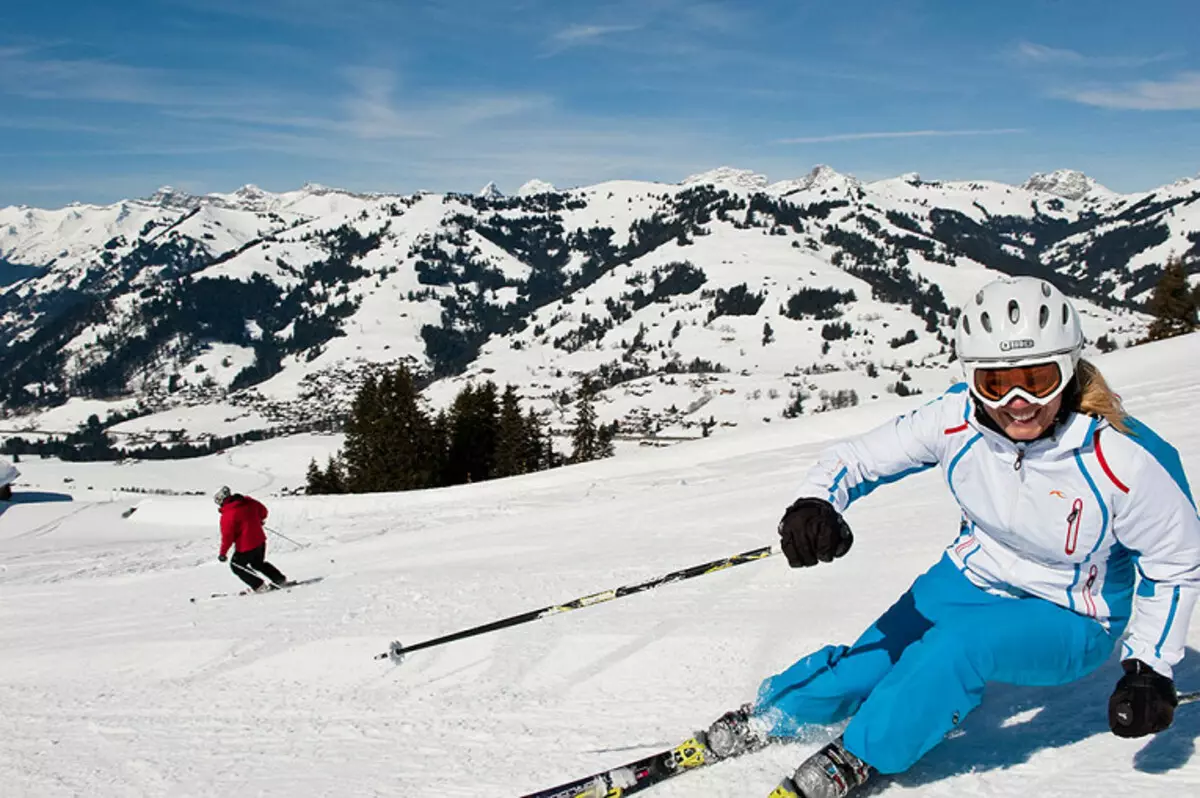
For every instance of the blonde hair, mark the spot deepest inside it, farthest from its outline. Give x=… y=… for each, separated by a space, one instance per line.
x=1097 y=399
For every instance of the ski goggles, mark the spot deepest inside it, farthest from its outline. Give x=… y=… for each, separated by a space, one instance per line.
x=1037 y=383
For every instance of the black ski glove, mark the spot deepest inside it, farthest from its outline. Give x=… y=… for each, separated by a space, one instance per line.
x=1143 y=702
x=221 y=558
x=811 y=531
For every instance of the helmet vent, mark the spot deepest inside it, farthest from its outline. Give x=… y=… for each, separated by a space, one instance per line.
x=1014 y=311
x=966 y=324
x=1043 y=317
x=1045 y=289
x=1066 y=313
x=986 y=321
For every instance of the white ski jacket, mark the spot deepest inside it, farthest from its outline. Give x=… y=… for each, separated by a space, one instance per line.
x=1070 y=519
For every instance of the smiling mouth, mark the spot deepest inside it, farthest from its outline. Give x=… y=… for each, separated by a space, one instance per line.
x=1025 y=416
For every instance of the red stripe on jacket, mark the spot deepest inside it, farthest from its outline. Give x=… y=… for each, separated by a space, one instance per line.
x=1104 y=463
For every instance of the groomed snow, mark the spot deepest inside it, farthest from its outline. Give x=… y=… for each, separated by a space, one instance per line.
x=112 y=683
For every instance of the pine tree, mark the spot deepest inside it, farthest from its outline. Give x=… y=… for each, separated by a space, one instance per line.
x=335 y=475
x=315 y=479
x=1173 y=302
x=405 y=434
x=604 y=440
x=584 y=436
x=362 y=452
x=510 y=440
x=536 y=449
x=439 y=450
x=388 y=437
x=474 y=427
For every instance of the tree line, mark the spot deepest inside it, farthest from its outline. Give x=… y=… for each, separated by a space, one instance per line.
x=394 y=444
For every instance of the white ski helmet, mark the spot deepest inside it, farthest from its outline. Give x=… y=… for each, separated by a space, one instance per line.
x=222 y=494
x=1018 y=322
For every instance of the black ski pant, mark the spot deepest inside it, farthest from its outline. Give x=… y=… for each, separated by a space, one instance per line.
x=254 y=560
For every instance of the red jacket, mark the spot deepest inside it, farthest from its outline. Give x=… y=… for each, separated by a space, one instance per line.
x=242 y=524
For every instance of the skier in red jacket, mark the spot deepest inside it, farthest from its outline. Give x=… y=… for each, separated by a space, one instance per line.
x=242 y=528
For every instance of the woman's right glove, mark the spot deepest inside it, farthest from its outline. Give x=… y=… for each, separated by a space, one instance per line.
x=811 y=531
x=1143 y=702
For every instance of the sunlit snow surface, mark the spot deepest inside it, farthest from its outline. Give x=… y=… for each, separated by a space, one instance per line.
x=112 y=683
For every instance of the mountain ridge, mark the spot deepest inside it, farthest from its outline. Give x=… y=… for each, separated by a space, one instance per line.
x=672 y=298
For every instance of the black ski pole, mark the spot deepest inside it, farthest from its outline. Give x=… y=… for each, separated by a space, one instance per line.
x=253 y=573
x=397 y=651
x=277 y=533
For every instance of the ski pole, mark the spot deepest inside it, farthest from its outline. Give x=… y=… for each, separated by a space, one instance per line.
x=397 y=651
x=246 y=570
x=1187 y=698
x=285 y=537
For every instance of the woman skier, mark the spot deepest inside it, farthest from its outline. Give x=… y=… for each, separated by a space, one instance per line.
x=1064 y=498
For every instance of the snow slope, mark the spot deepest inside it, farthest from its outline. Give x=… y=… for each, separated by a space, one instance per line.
x=112 y=683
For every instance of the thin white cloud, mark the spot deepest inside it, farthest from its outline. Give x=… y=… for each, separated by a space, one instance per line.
x=1034 y=54
x=1179 y=94
x=62 y=79
x=577 y=35
x=374 y=110
x=899 y=134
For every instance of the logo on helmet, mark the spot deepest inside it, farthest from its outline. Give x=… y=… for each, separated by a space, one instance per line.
x=1018 y=343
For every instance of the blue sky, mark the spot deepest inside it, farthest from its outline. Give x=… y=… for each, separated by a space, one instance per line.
x=100 y=101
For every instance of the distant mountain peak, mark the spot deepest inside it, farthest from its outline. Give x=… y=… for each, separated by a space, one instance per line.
x=744 y=179
x=171 y=197
x=821 y=178
x=490 y=191
x=1068 y=184
x=535 y=186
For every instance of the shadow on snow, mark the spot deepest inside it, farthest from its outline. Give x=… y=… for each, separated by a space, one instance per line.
x=1063 y=716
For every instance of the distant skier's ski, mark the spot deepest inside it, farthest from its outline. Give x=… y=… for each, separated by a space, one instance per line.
x=283 y=589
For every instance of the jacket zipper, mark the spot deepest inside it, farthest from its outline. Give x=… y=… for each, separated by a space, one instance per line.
x=1073 y=523
x=1088 y=601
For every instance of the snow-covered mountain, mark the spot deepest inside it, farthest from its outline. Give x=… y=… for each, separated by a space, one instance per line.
x=490 y=191
x=724 y=300
x=1069 y=184
x=535 y=186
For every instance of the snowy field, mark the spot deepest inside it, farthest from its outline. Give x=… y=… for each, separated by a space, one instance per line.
x=112 y=683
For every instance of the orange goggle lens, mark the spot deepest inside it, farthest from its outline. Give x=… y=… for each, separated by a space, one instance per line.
x=1040 y=380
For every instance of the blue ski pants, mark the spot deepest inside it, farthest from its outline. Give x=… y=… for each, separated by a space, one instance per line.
x=919 y=669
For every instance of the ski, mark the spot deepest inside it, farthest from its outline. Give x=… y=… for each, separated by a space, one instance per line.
x=733 y=734
x=277 y=589
x=691 y=754
x=638 y=775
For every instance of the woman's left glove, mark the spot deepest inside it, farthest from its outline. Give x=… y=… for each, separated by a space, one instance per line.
x=811 y=531
x=1143 y=702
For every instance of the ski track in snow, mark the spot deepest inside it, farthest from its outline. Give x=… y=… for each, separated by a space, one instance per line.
x=113 y=684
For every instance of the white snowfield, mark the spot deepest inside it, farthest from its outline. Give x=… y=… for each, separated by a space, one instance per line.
x=112 y=683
